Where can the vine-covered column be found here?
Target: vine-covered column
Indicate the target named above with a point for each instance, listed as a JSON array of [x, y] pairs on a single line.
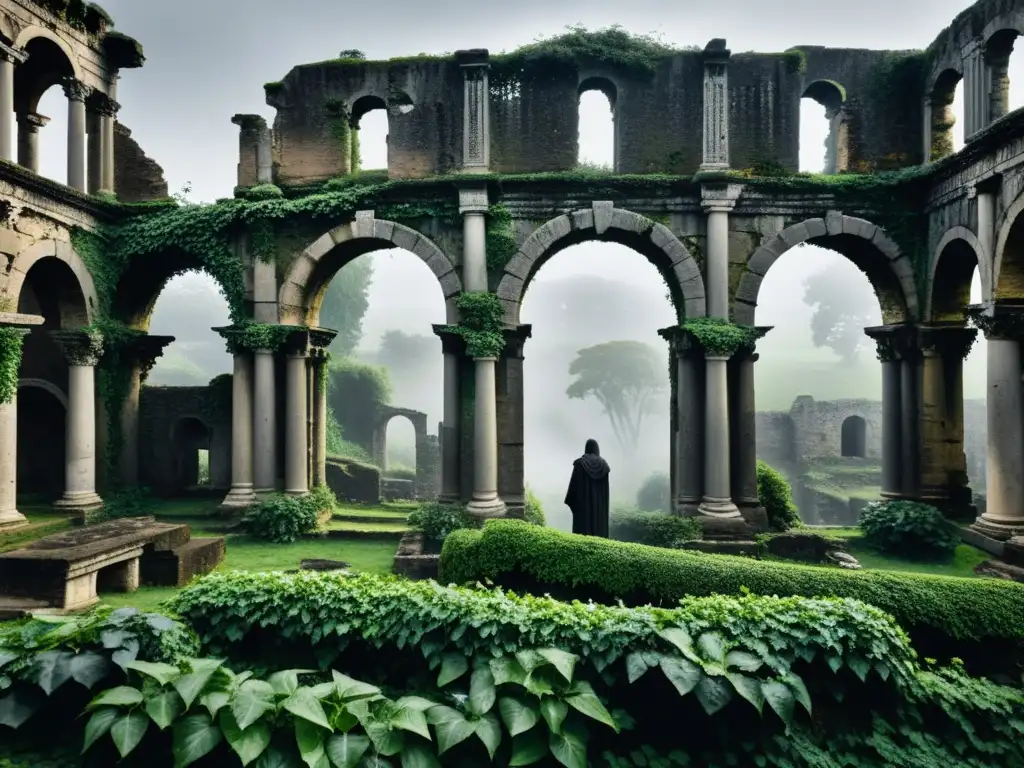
[[888, 346], [686, 374], [1004, 514], [296, 412], [453, 348], [13, 329], [320, 339], [83, 351]]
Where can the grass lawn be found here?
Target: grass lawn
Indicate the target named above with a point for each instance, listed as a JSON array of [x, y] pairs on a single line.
[[962, 563]]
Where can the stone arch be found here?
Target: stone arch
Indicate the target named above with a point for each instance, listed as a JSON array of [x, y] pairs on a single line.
[[600, 83], [998, 39], [865, 244], [853, 437], [941, 93], [387, 413], [832, 96], [609, 224], [1008, 273], [953, 262], [41, 438], [304, 285], [48, 386], [35, 32], [65, 274]]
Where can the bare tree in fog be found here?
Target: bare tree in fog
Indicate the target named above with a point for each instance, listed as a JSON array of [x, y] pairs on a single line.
[[840, 314], [624, 377]]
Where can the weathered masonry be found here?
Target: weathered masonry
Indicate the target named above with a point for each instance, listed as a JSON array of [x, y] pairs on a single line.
[[482, 185]]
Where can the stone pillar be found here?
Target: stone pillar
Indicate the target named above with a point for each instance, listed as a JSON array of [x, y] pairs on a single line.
[[10, 517], [928, 128], [473, 204], [485, 502], [453, 348], [83, 352], [509, 403], [139, 354], [975, 91], [264, 428], [28, 140], [716, 107], [986, 226], [717, 502], [744, 437], [476, 129], [718, 201], [998, 86], [319, 409], [242, 493], [892, 420], [9, 58], [686, 422], [94, 160], [108, 109], [1004, 514], [296, 481], [910, 412], [76, 93]]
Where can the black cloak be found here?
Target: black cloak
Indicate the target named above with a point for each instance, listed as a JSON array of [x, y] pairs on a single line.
[[587, 496]]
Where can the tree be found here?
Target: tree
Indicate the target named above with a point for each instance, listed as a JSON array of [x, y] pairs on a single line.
[[624, 377], [840, 314], [345, 304]]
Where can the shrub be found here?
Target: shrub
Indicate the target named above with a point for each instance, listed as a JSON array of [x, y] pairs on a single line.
[[943, 614], [534, 510], [133, 501], [399, 472], [776, 496], [908, 528], [283, 519], [436, 521], [655, 495], [653, 528], [843, 660]]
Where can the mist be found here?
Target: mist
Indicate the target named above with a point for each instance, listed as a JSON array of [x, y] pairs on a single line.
[[179, 107]]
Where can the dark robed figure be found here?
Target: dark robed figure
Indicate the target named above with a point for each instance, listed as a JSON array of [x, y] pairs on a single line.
[[587, 496]]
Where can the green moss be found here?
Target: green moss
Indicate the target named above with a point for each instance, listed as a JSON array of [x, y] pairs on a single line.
[[481, 324], [796, 61], [720, 337], [501, 240], [11, 343]]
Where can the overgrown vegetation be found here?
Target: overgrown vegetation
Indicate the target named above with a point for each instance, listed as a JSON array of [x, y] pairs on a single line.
[[910, 528], [533, 510], [11, 344], [480, 325], [437, 521], [655, 529], [282, 519], [720, 337], [776, 496]]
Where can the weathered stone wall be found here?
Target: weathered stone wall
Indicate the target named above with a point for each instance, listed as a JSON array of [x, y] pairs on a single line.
[[172, 424], [818, 426], [137, 178], [764, 110]]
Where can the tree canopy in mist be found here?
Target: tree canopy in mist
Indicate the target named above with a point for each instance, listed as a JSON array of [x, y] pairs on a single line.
[[841, 312], [345, 304], [624, 377]]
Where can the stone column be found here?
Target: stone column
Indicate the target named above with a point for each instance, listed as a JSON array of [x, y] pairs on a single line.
[[319, 409], [83, 352], [509, 403], [686, 421], [986, 197], [139, 354], [718, 201], [9, 58], [910, 411], [975, 92], [453, 349], [485, 502], [10, 517], [28, 140], [296, 409], [476, 130], [717, 502], [1004, 514], [929, 128], [744, 432], [76, 93], [264, 428], [108, 116], [892, 420], [716, 107], [242, 493], [94, 161], [473, 204], [998, 86]]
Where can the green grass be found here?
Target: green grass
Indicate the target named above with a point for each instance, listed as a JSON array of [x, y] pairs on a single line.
[[349, 525]]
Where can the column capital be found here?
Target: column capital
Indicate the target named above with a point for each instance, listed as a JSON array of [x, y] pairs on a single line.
[[76, 90], [20, 321], [143, 351], [103, 105], [999, 322], [32, 122], [473, 58], [716, 52], [515, 341], [719, 197], [12, 55], [895, 342], [473, 198], [79, 347], [948, 342], [452, 342]]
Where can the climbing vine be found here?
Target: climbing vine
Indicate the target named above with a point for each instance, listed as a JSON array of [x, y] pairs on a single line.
[[501, 239], [11, 343], [721, 338], [481, 324], [248, 337]]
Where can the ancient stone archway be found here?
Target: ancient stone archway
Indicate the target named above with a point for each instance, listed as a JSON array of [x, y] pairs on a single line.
[[954, 260], [853, 439], [606, 223], [68, 280], [865, 244], [425, 486], [308, 276], [1008, 266]]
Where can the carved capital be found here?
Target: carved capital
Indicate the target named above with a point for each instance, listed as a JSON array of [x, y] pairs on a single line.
[[452, 342], [76, 90], [79, 347], [999, 323], [12, 55], [473, 198], [681, 342], [103, 105], [949, 343], [32, 122], [895, 342], [320, 339], [719, 197], [515, 341], [143, 351]]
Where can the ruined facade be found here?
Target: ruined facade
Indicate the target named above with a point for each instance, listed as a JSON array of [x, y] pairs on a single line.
[[482, 188]]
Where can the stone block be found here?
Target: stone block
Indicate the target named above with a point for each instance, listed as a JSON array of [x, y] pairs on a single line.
[[178, 566], [858, 227], [583, 219], [695, 307], [414, 560], [687, 271], [750, 285], [604, 215], [510, 287], [662, 237], [363, 225], [815, 228], [804, 546], [405, 238], [761, 261], [629, 221], [834, 223], [343, 234], [352, 481], [450, 283], [885, 244], [795, 234], [383, 229], [519, 265]]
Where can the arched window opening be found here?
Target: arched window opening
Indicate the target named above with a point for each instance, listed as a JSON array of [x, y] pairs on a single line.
[[998, 55], [854, 438], [41, 440], [823, 127], [191, 451], [41, 107], [188, 308], [369, 134], [595, 309], [975, 391], [947, 107], [598, 136], [400, 456]]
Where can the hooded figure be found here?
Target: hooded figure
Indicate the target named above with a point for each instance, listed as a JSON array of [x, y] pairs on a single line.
[[587, 496]]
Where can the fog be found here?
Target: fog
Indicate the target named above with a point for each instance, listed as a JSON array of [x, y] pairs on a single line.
[[206, 63]]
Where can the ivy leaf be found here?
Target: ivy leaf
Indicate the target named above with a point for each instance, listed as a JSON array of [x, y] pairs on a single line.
[[248, 743], [89, 668], [453, 666], [582, 698], [51, 670], [517, 716], [507, 670], [215, 702], [310, 739], [353, 690], [488, 730], [554, 711], [418, 756], [569, 749], [191, 685], [126, 655], [451, 726], [304, 705], [121, 696], [250, 702], [529, 659], [162, 673], [712, 647], [681, 639], [164, 708], [286, 682], [713, 693], [481, 691], [743, 661], [781, 699], [417, 703], [682, 673], [386, 740], [747, 687], [6, 657], [18, 706], [635, 667], [796, 685], [564, 662], [413, 720], [345, 750], [127, 731], [98, 726], [528, 748], [859, 665], [195, 736], [275, 758]]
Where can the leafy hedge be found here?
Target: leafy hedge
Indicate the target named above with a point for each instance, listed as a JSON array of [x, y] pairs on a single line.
[[945, 615], [655, 529]]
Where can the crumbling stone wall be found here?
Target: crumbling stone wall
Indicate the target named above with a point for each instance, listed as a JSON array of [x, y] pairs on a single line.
[[764, 110], [137, 178], [818, 426]]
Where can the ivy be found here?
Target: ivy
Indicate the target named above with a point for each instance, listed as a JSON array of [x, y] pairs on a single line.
[[501, 239], [721, 338], [11, 343], [248, 337], [481, 324]]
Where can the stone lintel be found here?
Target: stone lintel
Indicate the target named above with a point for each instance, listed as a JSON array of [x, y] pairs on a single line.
[[990, 184], [19, 320], [473, 57], [1001, 320], [79, 347]]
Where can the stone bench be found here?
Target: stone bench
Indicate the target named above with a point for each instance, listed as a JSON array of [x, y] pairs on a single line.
[[68, 570]]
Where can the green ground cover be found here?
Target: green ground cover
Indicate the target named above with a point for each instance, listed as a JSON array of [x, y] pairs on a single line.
[[963, 562]]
